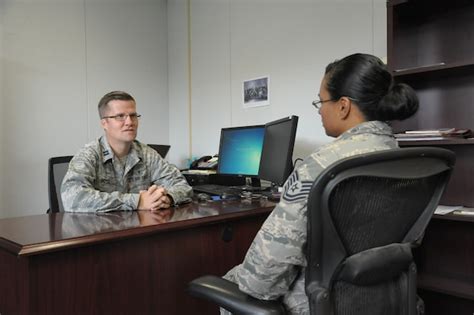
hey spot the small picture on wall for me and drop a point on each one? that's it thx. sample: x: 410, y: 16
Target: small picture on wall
x: 256, y: 92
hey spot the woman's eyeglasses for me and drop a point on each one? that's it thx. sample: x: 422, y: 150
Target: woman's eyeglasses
x: 318, y: 104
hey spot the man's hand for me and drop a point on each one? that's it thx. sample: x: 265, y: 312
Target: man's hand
x: 155, y: 198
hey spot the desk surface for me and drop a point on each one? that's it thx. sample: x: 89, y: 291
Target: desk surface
x: 135, y: 262
x: 38, y: 234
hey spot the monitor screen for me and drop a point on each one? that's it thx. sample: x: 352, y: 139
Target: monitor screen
x: 276, y: 163
x: 240, y: 150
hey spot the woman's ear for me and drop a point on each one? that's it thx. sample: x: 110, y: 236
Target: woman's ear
x: 344, y: 105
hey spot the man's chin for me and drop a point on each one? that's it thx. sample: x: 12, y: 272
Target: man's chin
x: 130, y: 135
x: 129, y: 139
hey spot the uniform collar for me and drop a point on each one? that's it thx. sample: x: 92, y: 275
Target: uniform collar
x: 374, y: 127
x: 134, y: 156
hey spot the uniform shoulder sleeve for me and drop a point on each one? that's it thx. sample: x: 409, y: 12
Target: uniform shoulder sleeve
x: 298, y: 184
x: 276, y: 255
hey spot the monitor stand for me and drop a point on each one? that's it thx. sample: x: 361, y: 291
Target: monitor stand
x: 256, y: 182
x: 253, y: 184
x: 272, y: 192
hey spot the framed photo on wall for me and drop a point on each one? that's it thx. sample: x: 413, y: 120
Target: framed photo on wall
x: 256, y: 92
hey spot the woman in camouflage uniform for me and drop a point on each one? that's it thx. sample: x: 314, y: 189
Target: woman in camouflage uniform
x: 357, y: 97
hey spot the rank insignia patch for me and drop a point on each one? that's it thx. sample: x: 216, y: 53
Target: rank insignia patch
x: 295, y: 189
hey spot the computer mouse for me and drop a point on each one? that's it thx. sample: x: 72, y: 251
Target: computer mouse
x: 203, y: 197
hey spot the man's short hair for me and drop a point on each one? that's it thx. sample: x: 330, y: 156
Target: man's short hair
x: 111, y: 96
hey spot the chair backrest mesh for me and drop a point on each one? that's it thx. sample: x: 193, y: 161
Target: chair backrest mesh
x: 388, y: 298
x: 57, y: 169
x: 59, y: 172
x: 359, y: 208
x: 371, y: 211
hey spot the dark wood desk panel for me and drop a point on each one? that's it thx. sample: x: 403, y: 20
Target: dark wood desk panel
x: 445, y: 264
x: 110, y: 264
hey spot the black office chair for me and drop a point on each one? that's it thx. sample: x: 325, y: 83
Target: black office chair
x: 365, y: 214
x: 162, y: 149
x: 57, y: 168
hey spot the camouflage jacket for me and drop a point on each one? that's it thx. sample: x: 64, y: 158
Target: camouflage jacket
x: 96, y: 182
x: 274, y: 265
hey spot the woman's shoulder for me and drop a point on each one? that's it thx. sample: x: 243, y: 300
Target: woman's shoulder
x: 367, y: 137
x: 307, y: 170
x: 326, y: 154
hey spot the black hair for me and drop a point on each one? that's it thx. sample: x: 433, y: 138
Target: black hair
x: 114, y: 95
x: 365, y: 79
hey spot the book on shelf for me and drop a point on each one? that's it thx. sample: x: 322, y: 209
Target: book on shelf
x: 419, y: 138
x: 439, y: 131
x: 434, y: 134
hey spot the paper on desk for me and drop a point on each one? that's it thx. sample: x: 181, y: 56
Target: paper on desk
x: 446, y: 209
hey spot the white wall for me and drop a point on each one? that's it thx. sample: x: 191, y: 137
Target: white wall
x: 211, y: 73
x: 126, y: 44
x: 291, y: 41
x: 43, y: 96
x: 57, y: 59
x: 179, y: 84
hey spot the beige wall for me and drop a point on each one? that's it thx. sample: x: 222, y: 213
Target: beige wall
x: 58, y: 57
x: 291, y: 41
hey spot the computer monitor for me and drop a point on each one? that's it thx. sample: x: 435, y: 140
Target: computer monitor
x: 276, y: 162
x: 240, y: 150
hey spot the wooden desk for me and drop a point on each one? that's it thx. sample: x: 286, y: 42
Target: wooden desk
x: 111, y: 263
x: 445, y: 264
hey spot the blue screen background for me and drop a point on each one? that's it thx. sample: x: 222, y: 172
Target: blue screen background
x: 240, y: 151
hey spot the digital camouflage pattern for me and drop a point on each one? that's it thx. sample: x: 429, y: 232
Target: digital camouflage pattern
x: 98, y: 181
x: 274, y: 266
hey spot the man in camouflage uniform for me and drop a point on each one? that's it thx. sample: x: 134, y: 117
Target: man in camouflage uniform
x: 275, y: 264
x: 117, y: 172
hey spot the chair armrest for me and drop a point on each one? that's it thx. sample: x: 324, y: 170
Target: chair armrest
x: 376, y: 264
x: 226, y: 294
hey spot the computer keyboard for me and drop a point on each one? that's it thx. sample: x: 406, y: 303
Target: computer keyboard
x: 216, y: 190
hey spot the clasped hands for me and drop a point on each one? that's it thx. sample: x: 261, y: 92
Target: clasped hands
x: 155, y: 198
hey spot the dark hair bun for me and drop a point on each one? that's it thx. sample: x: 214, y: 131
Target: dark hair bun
x: 399, y: 103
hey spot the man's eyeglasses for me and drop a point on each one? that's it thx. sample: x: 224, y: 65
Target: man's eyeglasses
x: 318, y: 104
x: 123, y: 117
